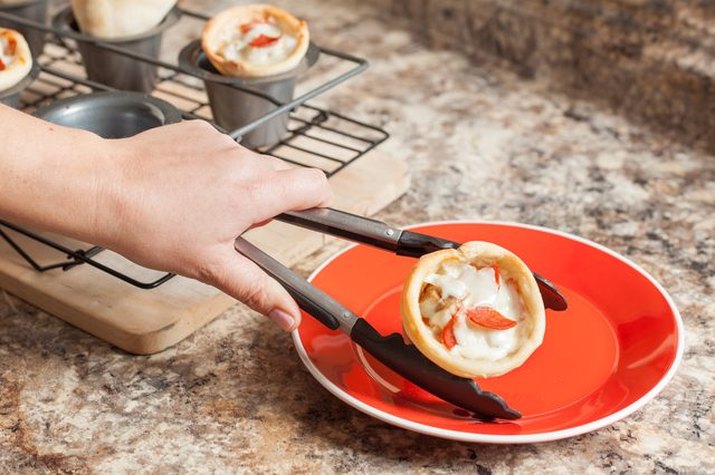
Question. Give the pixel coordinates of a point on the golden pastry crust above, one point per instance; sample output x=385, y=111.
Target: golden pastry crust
x=479, y=254
x=113, y=19
x=20, y=64
x=212, y=41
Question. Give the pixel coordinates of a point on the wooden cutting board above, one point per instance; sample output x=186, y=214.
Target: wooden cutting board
x=148, y=321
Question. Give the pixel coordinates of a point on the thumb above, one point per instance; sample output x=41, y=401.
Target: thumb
x=243, y=280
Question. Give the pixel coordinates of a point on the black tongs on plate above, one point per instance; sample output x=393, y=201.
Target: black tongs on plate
x=390, y=350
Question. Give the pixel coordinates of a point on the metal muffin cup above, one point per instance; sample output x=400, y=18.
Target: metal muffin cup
x=112, y=115
x=11, y=97
x=35, y=10
x=114, y=69
x=236, y=102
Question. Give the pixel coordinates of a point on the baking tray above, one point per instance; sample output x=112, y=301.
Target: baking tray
x=316, y=137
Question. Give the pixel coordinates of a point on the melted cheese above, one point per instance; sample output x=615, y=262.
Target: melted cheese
x=237, y=44
x=474, y=288
x=5, y=55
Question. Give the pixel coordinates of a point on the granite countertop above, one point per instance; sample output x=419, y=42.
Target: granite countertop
x=482, y=144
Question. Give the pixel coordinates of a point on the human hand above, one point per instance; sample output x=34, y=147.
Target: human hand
x=178, y=196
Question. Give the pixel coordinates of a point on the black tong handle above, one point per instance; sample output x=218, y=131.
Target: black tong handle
x=403, y=243
x=367, y=231
x=320, y=305
x=346, y=225
x=391, y=350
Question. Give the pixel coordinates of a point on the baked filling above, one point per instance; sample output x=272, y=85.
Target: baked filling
x=255, y=41
x=475, y=311
x=8, y=49
x=258, y=42
x=15, y=58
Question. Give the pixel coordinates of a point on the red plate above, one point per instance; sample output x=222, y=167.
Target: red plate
x=614, y=349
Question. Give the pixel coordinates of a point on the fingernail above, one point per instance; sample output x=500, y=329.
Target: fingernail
x=282, y=319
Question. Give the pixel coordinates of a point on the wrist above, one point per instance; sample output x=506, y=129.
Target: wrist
x=86, y=171
x=56, y=179
x=108, y=161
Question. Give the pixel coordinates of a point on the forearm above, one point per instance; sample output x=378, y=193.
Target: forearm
x=173, y=198
x=50, y=176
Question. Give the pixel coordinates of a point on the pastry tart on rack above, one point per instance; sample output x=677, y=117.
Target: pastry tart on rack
x=255, y=41
x=15, y=58
x=475, y=311
x=119, y=18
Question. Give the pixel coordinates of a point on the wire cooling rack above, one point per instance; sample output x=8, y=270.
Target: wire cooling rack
x=316, y=137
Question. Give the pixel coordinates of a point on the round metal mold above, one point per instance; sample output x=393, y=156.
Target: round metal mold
x=35, y=10
x=111, y=115
x=236, y=102
x=114, y=69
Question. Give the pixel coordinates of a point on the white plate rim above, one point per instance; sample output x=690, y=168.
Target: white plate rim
x=498, y=438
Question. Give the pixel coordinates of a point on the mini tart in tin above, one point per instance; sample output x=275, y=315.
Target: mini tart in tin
x=15, y=58
x=113, y=19
x=475, y=311
x=255, y=41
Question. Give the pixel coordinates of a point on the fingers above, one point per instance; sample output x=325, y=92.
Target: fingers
x=245, y=281
x=290, y=189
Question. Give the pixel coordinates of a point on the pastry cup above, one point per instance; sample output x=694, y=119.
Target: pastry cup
x=238, y=102
x=481, y=254
x=35, y=10
x=212, y=40
x=112, y=115
x=114, y=69
x=19, y=72
x=11, y=96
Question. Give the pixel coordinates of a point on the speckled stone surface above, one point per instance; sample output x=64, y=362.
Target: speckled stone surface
x=652, y=60
x=482, y=144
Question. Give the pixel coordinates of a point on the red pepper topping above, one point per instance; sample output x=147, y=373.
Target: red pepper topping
x=448, y=337
x=2, y=65
x=11, y=47
x=263, y=40
x=487, y=317
x=497, y=277
x=246, y=27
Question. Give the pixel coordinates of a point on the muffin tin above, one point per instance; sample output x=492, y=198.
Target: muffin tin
x=115, y=69
x=270, y=120
x=35, y=10
x=112, y=115
x=238, y=102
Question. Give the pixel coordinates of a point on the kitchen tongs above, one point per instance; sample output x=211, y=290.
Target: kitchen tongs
x=402, y=242
x=390, y=350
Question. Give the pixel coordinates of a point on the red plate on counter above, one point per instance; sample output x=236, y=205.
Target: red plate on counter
x=613, y=350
